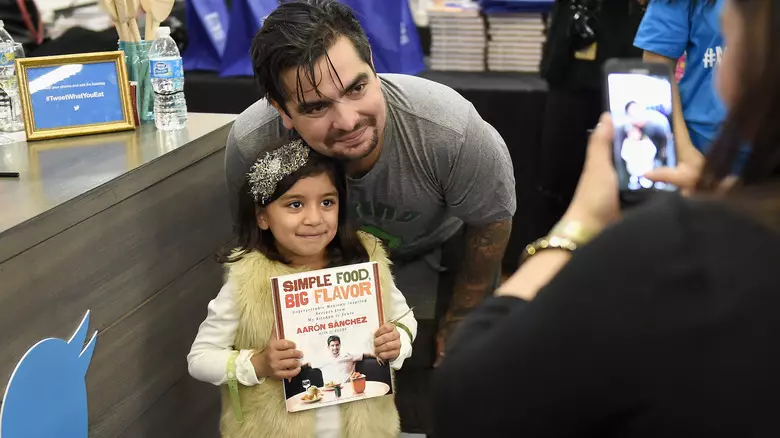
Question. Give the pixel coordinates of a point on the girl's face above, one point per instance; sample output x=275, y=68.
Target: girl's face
x=304, y=220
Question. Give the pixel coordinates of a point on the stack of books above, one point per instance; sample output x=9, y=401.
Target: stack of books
x=516, y=41
x=458, y=38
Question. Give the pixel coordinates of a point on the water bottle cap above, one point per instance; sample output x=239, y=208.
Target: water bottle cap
x=163, y=31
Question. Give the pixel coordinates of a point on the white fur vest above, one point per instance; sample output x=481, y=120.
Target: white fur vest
x=263, y=405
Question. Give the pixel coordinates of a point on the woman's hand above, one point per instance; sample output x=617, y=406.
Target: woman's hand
x=690, y=163
x=596, y=201
x=596, y=204
x=280, y=360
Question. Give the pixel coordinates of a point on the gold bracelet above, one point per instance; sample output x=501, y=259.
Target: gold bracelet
x=550, y=242
x=565, y=235
x=574, y=231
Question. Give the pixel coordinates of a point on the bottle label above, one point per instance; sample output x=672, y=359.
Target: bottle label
x=166, y=68
x=7, y=56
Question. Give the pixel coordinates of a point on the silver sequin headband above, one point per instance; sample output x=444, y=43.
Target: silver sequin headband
x=266, y=173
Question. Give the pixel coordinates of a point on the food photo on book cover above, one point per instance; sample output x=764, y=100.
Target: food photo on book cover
x=331, y=315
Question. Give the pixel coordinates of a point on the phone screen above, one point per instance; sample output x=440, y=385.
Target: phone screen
x=641, y=109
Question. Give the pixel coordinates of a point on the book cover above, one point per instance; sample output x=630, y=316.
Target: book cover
x=331, y=316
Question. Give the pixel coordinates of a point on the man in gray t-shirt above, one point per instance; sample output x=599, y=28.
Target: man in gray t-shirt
x=420, y=161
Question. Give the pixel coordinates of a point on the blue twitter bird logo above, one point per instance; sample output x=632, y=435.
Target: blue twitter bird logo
x=47, y=395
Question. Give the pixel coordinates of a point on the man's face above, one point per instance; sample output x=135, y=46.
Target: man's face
x=347, y=118
x=335, y=348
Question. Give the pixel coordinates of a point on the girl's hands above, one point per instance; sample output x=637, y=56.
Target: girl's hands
x=280, y=360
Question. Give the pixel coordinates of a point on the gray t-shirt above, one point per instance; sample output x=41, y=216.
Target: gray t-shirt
x=441, y=165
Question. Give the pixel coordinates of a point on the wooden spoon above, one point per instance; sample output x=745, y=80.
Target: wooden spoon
x=132, y=12
x=110, y=8
x=126, y=17
x=157, y=11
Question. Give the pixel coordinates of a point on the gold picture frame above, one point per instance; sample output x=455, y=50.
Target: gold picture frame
x=68, y=64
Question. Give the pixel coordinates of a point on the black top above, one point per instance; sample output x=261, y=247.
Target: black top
x=667, y=325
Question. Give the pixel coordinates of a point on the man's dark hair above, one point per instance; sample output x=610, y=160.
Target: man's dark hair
x=333, y=338
x=297, y=34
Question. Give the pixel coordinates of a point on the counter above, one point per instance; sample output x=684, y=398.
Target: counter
x=124, y=225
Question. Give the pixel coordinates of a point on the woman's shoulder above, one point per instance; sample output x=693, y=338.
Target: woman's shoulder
x=689, y=213
x=670, y=247
x=677, y=228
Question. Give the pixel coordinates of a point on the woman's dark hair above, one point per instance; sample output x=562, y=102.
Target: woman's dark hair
x=345, y=248
x=297, y=34
x=753, y=119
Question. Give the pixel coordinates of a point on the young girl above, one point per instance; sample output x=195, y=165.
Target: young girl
x=292, y=220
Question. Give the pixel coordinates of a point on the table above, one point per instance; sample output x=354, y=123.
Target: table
x=124, y=225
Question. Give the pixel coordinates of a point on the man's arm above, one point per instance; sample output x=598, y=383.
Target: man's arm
x=657, y=135
x=480, y=190
x=485, y=246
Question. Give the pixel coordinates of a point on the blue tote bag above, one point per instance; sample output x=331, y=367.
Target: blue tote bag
x=246, y=18
x=389, y=25
x=207, y=26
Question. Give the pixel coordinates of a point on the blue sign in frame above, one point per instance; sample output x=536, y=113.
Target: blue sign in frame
x=72, y=95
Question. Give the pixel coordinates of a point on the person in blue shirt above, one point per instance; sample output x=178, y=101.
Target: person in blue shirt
x=669, y=29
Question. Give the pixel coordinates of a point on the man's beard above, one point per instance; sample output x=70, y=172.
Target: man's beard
x=370, y=122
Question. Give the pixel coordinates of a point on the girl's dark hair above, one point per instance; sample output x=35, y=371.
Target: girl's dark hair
x=345, y=248
x=752, y=120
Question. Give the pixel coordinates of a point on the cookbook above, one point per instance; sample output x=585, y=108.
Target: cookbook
x=331, y=315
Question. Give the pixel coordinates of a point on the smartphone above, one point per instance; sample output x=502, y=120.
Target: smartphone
x=639, y=99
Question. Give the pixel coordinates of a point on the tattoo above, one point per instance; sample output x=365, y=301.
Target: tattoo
x=485, y=246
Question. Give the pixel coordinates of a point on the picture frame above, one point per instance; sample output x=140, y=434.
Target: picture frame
x=72, y=95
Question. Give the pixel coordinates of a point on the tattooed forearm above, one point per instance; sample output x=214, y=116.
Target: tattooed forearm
x=485, y=246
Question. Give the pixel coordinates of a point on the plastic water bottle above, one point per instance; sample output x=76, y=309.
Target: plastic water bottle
x=10, y=103
x=167, y=73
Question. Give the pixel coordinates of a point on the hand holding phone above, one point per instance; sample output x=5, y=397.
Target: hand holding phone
x=639, y=98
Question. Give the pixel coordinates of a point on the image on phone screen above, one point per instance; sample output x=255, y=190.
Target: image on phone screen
x=641, y=109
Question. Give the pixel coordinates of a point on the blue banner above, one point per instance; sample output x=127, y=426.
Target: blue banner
x=246, y=19
x=389, y=26
x=207, y=27
x=75, y=95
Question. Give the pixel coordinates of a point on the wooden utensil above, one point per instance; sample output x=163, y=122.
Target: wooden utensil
x=157, y=11
x=110, y=8
x=124, y=16
x=132, y=12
